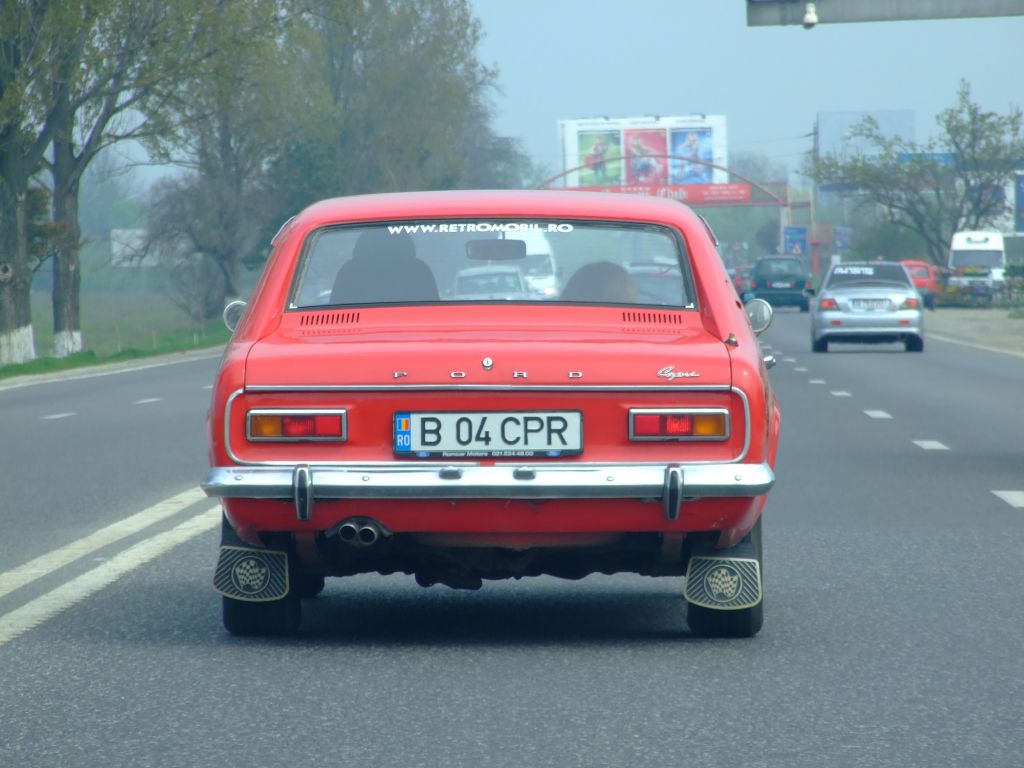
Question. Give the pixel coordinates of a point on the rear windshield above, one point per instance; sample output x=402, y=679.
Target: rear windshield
x=465, y=261
x=780, y=268
x=976, y=259
x=867, y=274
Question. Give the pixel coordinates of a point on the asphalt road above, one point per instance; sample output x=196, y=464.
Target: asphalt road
x=892, y=637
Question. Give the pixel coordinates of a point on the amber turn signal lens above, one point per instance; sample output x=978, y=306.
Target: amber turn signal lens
x=264, y=425
x=709, y=425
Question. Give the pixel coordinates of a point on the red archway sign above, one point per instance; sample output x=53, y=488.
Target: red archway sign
x=744, y=192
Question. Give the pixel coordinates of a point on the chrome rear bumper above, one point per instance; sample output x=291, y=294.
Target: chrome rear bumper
x=304, y=484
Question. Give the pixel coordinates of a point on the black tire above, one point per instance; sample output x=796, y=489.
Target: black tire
x=745, y=622
x=278, y=617
x=913, y=344
x=819, y=345
x=805, y=307
x=309, y=584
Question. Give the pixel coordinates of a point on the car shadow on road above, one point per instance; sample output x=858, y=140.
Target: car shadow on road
x=499, y=614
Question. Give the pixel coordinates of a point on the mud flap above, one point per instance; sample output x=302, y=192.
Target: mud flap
x=723, y=583
x=251, y=575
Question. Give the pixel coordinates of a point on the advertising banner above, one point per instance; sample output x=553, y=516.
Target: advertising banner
x=640, y=151
x=695, y=194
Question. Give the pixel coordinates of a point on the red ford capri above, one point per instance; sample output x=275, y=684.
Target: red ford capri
x=370, y=416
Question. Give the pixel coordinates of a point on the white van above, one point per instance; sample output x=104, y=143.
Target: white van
x=539, y=267
x=977, y=261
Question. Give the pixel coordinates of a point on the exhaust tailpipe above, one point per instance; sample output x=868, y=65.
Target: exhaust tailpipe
x=348, y=532
x=368, y=534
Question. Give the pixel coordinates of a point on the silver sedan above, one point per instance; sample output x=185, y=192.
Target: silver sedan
x=867, y=302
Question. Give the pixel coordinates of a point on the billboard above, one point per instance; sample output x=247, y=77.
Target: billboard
x=644, y=151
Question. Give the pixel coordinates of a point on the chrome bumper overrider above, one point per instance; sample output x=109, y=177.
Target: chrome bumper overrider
x=671, y=483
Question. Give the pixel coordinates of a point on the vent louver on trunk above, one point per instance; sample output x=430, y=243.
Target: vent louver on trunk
x=322, y=320
x=653, y=318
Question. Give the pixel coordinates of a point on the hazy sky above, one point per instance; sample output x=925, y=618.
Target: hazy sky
x=561, y=59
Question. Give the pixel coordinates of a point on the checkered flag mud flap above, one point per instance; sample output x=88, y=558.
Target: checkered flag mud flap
x=723, y=583
x=252, y=575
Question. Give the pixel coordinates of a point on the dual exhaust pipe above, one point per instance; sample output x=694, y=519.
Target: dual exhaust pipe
x=360, y=533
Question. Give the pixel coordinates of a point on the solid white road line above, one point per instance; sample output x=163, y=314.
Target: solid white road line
x=53, y=416
x=58, y=558
x=931, y=445
x=1013, y=498
x=34, y=613
x=878, y=414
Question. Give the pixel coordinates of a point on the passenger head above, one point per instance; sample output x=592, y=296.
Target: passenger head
x=379, y=245
x=601, y=281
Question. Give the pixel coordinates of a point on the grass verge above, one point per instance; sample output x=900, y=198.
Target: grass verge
x=117, y=327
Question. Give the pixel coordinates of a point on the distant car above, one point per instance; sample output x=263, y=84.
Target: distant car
x=490, y=283
x=658, y=282
x=867, y=302
x=741, y=277
x=927, y=279
x=782, y=281
x=626, y=424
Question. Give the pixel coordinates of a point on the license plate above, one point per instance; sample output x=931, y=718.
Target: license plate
x=488, y=434
x=781, y=284
x=871, y=304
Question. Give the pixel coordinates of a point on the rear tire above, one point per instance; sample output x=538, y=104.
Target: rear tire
x=274, y=617
x=744, y=622
x=914, y=344
x=819, y=345
x=278, y=617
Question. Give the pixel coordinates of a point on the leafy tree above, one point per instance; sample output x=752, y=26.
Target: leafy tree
x=74, y=78
x=230, y=115
x=397, y=101
x=31, y=34
x=109, y=88
x=941, y=186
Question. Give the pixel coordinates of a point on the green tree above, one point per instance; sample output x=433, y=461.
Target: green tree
x=398, y=101
x=229, y=115
x=939, y=187
x=32, y=33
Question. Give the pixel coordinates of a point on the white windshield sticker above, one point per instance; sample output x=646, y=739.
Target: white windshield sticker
x=508, y=227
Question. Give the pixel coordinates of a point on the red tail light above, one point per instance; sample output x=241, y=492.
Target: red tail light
x=296, y=425
x=678, y=424
x=753, y=283
x=910, y=303
x=828, y=304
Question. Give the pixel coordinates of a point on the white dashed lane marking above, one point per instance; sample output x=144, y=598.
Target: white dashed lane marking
x=1013, y=498
x=147, y=400
x=53, y=416
x=878, y=414
x=840, y=393
x=931, y=445
x=816, y=381
x=801, y=368
x=58, y=558
x=789, y=359
x=35, y=612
